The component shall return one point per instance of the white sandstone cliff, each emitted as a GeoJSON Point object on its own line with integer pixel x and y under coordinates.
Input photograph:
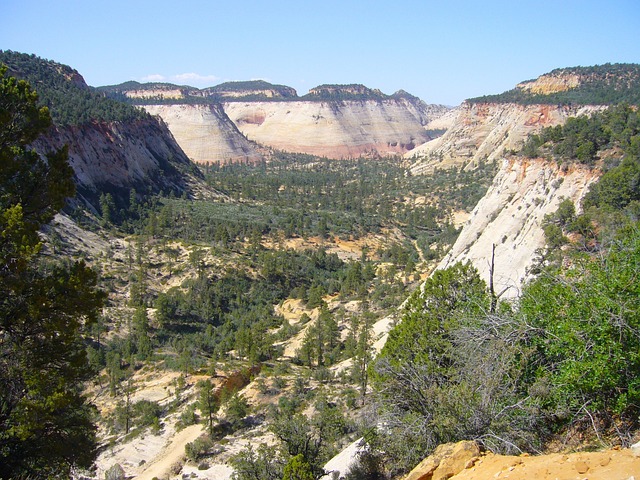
{"type": "Point", "coordinates": [205, 133]}
{"type": "Point", "coordinates": [510, 215]}
{"type": "Point", "coordinates": [336, 129]}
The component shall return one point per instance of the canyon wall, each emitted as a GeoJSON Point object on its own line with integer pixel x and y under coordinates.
{"type": "Point", "coordinates": [117, 156]}
{"type": "Point", "coordinates": [510, 216]}
{"type": "Point", "coordinates": [487, 132]}
{"type": "Point", "coordinates": [206, 134]}
{"type": "Point", "coordinates": [336, 129]}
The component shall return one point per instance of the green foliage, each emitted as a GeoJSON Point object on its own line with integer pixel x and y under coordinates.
{"type": "Point", "coordinates": [321, 341]}
{"type": "Point", "coordinates": [64, 92]}
{"type": "Point", "coordinates": [449, 371]}
{"type": "Point", "coordinates": [357, 92]}
{"type": "Point", "coordinates": [431, 313]}
{"type": "Point", "coordinates": [246, 89]}
{"type": "Point", "coordinates": [208, 403]}
{"type": "Point", "coordinates": [588, 348]}
{"type": "Point", "coordinates": [187, 417]}
{"type": "Point", "coordinates": [130, 417]}
{"type": "Point", "coordinates": [199, 447]}
{"type": "Point", "coordinates": [304, 196]}
{"type": "Point", "coordinates": [565, 357]}
{"type": "Point", "coordinates": [45, 421]}
{"type": "Point", "coordinates": [581, 139]}
{"type": "Point", "coordinates": [308, 444]}
{"type": "Point", "coordinates": [236, 409]}
{"type": "Point", "coordinates": [368, 466]}
{"type": "Point", "coordinates": [265, 463]}
{"type": "Point", "coordinates": [297, 468]}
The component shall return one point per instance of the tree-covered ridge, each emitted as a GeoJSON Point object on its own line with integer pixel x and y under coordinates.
{"type": "Point", "coordinates": [46, 423]}
{"type": "Point", "coordinates": [252, 86]}
{"type": "Point", "coordinates": [606, 84]}
{"type": "Point", "coordinates": [344, 92]}
{"type": "Point", "coordinates": [64, 92]}
{"type": "Point", "coordinates": [240, 91]}
{"type": "Point", "coordinates": [584, 139]}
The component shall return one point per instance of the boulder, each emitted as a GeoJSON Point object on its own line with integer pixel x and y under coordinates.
{"type": "Point", "coordinates": [446, 461]}
{"type": "Point", "coordinates": [635, 449]}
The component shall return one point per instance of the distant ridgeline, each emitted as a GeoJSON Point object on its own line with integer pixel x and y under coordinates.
{"type": "Point", "coordinates": [63, 90]}
{"type": "Point", "coordinates": [598, 85]}
{"type": "Point", "coordinates": [255, 90]}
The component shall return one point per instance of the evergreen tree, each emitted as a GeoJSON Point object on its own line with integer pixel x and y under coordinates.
{"type": "Point", "coordinates": [208, 403]}
{"type": "Point", "coordinates": [45, 421]}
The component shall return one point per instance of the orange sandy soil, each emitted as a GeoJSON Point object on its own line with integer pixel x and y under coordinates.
{"type": "Point", "coordinates": [606, 465]}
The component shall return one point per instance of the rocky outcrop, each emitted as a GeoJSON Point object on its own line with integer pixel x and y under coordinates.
{"type": "Point", "coordinates": [206, 134]}
{"type": "Point", "coordinates": [117, 156]}
{"type": "Point", "coordinates": [510, 215]}
{"type": "Point", "coordinates": [486, 132]}
{"type": "Point", "coordinates": [616, 463]}
{"type": "Point", "coordinates": [446, 461]}
{"type": "Point", "coordinates": [551, 83]}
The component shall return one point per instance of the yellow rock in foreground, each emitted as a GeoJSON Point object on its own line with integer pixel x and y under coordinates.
{"type": "Point", "coordinates": [446, 461]}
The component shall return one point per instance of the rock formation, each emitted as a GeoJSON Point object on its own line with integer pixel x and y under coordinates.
{"type": "Point", "coordinates": [510, 215]}
{"type": "Point", "coordinates": [117, 156]}
{"type": "Point", "coordinates": [487, 132]}
{"type": "Point", "coordinates": [446, 461]}
{"type": "Point", "coordinates": [337, 121]}
{"type": "Point", "coordinates": [206, 134]}
{"type": "Point", "coordinates": [336, 129]}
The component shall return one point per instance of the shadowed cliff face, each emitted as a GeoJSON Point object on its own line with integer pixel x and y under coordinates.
{"type": "Point", "coordinates": [117, 156]}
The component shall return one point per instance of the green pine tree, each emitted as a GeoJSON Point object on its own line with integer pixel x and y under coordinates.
{"type": "Point", "coordinates": [45, 421]}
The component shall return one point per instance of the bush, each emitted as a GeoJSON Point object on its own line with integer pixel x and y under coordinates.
{"type": "Point", "coordinates": [115, 472]}
{"type": "Point", "coordinates": [237, 409]}
{"type": "Point", "coordinates": [187, 417]}
{"type": "Point", "coordinates": [198, 447]}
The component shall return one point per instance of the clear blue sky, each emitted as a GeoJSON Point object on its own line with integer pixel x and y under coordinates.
{"type": "Point", "coordinates": [442, 51]}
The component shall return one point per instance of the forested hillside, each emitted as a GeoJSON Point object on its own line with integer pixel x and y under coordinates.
{"type": "Point", "coordinates": [113, 148]}
{"type": "Point", "coordinates": [598, 85]}
{"type": "Point", "coordinates": [64, 91]}
{"type": "Point", "coordinates": [173, 334]}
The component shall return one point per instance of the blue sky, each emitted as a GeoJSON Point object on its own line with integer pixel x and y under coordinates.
{"type": "Point", "coordinates": [442, 51]}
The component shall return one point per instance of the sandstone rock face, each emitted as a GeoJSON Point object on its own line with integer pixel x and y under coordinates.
{"type": "Point", "coordinates": [160, 93]}
{"type": "Point", "coordinates": [486, 131]}
{"type": "Point", "coordinates": [509, 216]}
{"type": "Point", "coordinates": [117, 156]}
{"type": "Point", "coordinates": [446, 461]}
{"type": "Point", "coordinates": [336, 129]}
{"type": "Point", "coordinates": [551, 83]}
{"type": "Point", "coordinates": [205, 133]}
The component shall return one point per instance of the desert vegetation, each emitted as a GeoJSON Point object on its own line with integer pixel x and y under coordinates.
{"type": "Point", "coordinates": [259, 308]}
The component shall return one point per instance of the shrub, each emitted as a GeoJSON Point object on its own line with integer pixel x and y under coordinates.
{"type": "Point", "coordinates": [198, 447]}
{"type": "Point", "coordinates": [115, 472]}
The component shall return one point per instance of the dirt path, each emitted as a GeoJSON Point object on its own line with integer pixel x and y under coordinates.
{"type": "Point", "coordinates": [171, 454]}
